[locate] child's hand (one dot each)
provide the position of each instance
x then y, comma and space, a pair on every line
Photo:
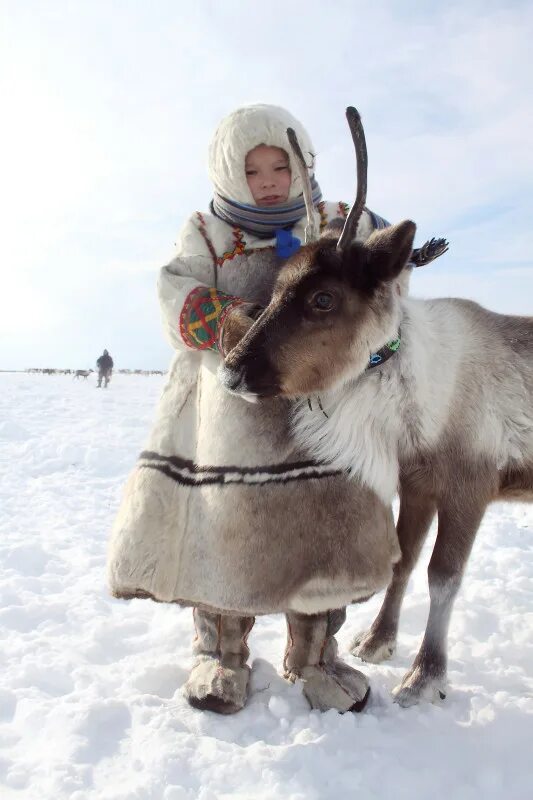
236, 325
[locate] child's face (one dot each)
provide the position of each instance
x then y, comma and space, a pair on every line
268, 174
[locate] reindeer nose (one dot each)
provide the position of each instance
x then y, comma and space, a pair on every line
231, 377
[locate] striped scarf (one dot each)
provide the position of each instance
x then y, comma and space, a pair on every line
263, 222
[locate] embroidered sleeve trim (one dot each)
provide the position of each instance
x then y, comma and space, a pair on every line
343, 210
203, 230
321, 208
238, 248
202, 316
239, 245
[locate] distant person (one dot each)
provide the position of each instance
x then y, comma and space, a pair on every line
105, 368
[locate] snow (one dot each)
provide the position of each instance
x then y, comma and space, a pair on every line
90, 687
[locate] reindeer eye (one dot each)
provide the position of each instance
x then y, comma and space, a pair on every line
323, 301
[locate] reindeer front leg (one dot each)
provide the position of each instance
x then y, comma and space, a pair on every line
458, 523
416, 514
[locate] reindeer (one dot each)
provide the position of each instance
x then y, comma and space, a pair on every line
430, 398
82, 373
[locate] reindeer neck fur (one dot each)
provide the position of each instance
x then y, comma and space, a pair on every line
380, 417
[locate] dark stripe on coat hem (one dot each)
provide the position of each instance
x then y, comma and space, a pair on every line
247, 479
270, 469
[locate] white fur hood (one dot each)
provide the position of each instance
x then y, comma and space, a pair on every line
240, 132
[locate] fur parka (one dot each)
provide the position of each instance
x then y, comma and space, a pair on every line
222, 510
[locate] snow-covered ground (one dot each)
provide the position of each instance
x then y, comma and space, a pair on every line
90, 687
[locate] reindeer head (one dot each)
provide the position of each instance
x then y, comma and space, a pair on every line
334, 303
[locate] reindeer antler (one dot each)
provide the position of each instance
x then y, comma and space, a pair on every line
358, 136
310, 228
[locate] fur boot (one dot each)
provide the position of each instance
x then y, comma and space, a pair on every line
220, 675
311, 655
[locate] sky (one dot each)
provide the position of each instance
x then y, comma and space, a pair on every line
108, 109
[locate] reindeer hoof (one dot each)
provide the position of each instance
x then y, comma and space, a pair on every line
417, 687
371, 648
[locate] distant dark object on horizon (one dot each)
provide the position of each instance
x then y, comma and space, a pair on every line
54, 371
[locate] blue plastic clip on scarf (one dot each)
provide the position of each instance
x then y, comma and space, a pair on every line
286, 243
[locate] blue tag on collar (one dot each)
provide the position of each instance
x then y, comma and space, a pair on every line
286, 243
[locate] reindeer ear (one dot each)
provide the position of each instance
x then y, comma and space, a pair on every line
383, 256
388, 250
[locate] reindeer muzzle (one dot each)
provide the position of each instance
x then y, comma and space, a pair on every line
232, 378
242, 381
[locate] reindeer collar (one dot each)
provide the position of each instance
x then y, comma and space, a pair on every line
384, 353
375, 360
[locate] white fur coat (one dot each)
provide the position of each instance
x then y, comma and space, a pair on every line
222, 509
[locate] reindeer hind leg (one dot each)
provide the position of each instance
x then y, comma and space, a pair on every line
416, 514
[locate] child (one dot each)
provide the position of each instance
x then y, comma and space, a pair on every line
222, 512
